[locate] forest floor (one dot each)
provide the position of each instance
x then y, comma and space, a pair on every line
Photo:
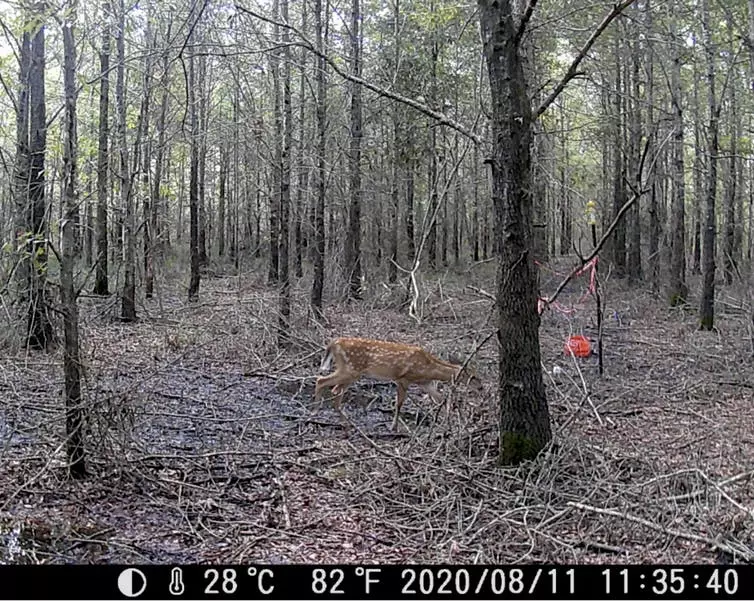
205, 446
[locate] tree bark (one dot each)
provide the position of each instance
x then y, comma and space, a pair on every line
301, 237
221, 200
285, 189
128, 293
619, 172
319, 209
193, 289
353, 241
74, 419
730, 253
707, 305
203, 90
677, 291
39, 329
633, 263
273, 270
653, 259
101, 283
524, 415
698, 171
158, 203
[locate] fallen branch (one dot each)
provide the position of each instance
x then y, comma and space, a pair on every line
744, 553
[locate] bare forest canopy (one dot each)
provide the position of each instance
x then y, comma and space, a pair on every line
197, 197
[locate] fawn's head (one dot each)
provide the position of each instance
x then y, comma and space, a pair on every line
468, 376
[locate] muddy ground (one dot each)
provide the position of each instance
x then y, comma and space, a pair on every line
205, 446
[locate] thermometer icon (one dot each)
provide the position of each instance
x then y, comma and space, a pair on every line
176, 582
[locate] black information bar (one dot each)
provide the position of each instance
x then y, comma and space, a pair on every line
377, 582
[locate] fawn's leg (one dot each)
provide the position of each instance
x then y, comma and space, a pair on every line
398, 403
339, 391
339, 383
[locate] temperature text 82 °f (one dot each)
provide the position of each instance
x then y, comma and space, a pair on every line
330, 581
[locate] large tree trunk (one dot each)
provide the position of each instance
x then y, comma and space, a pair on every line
39, 332
21, 169
74, 412
524, 415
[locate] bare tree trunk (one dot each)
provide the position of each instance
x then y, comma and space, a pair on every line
432, 183
237, 174
566, 223
221, 200
158, 205
619, 172
193, 289
273, 272
397, 153
300, 236
653, 260
319, 209
285, 189
353, 242
146, 158
21, 175
524, 415
203, 125
457, 231
74, 413
707, 305
392, 268
677, 290
101, 282
475, 233
39, 330
410, 210
128, 292
750, 245
633, 265
698, 170
730, 254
